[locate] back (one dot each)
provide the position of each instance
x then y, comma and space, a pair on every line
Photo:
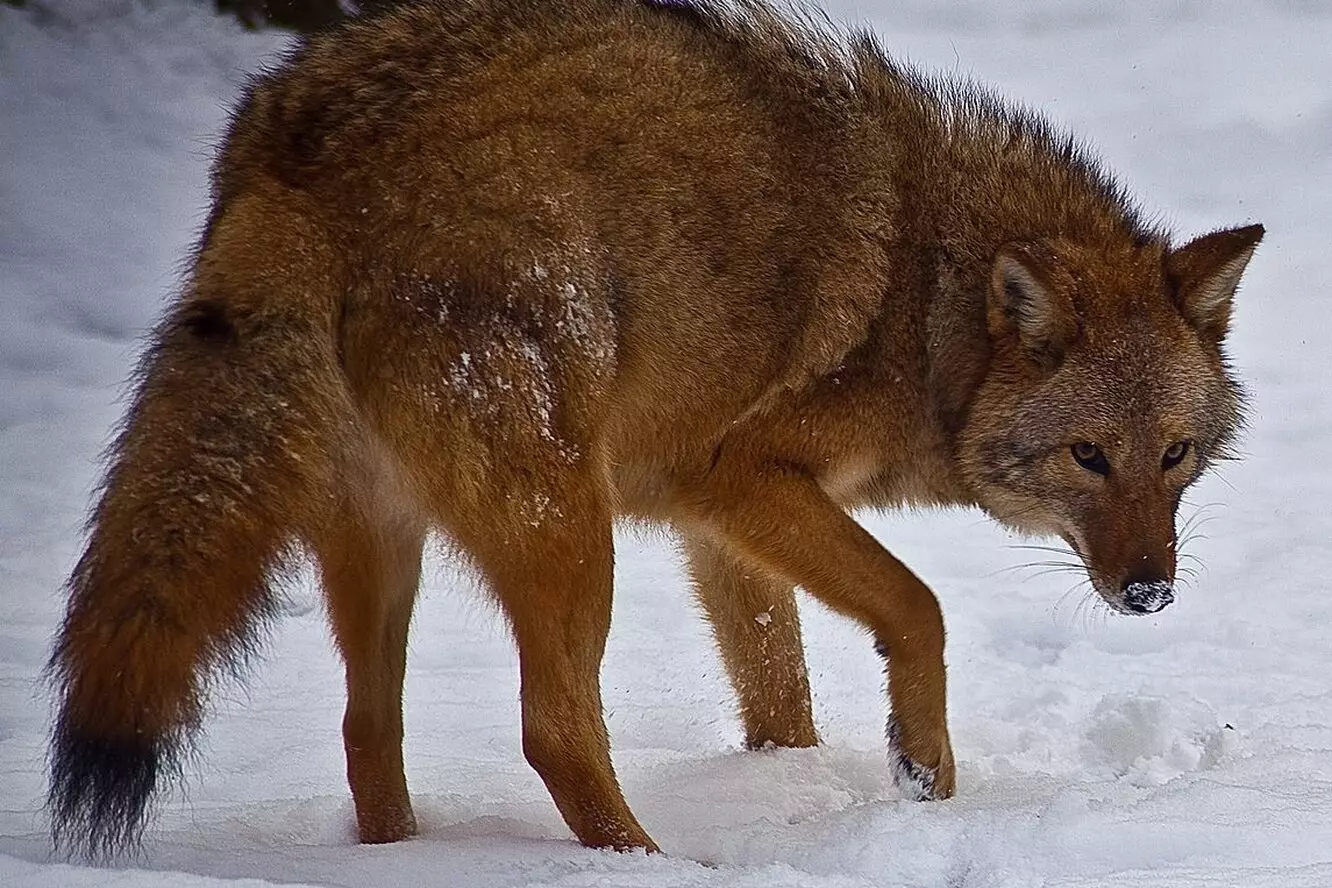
713, 176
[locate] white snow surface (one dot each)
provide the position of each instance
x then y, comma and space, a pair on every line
1189, 749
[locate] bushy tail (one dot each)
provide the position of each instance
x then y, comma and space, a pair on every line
225, 458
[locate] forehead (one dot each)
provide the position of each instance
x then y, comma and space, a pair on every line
1131, 335
1116, 284
1139, 374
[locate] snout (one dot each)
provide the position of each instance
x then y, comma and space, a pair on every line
1129, 553
1148, 597
1146, 587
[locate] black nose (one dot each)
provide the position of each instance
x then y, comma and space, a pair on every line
1147, 597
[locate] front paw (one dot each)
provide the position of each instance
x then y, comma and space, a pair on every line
921, 776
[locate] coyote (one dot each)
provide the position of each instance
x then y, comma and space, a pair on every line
510, 272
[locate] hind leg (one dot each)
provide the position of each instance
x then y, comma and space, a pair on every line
553, 576
371, 570
757, 628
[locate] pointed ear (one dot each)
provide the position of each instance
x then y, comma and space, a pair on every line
1025, 302
1204, 273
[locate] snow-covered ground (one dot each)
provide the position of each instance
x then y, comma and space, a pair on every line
1192, 748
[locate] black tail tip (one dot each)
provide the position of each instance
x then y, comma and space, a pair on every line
100, 791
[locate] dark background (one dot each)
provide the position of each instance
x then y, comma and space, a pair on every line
297, 15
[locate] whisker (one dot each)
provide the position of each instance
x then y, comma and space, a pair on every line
1032, 565
1067, 592
1065, 569
1058, 550
1195, 525
1080, 613
1190, 537
1103, 611
1186, 536
1199, 516
1196, 522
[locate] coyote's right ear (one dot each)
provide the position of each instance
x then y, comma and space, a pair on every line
1204, 274
1025, 303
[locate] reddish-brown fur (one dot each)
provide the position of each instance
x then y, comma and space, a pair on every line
510, 272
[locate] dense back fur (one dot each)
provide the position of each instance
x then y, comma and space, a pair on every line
475, 266
879, 167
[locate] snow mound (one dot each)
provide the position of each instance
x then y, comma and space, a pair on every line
1149, 741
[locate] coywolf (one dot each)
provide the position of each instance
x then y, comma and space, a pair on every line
509, 272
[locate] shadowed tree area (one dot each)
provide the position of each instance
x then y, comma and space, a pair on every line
298, 15
304, 16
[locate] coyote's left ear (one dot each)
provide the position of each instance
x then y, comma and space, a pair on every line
1027, 302
1204, 273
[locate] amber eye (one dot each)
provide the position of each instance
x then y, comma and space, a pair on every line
1174, 455
1090, 457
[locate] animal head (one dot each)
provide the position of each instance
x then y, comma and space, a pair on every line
1107, 395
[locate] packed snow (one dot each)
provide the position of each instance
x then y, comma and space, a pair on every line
1190, 749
